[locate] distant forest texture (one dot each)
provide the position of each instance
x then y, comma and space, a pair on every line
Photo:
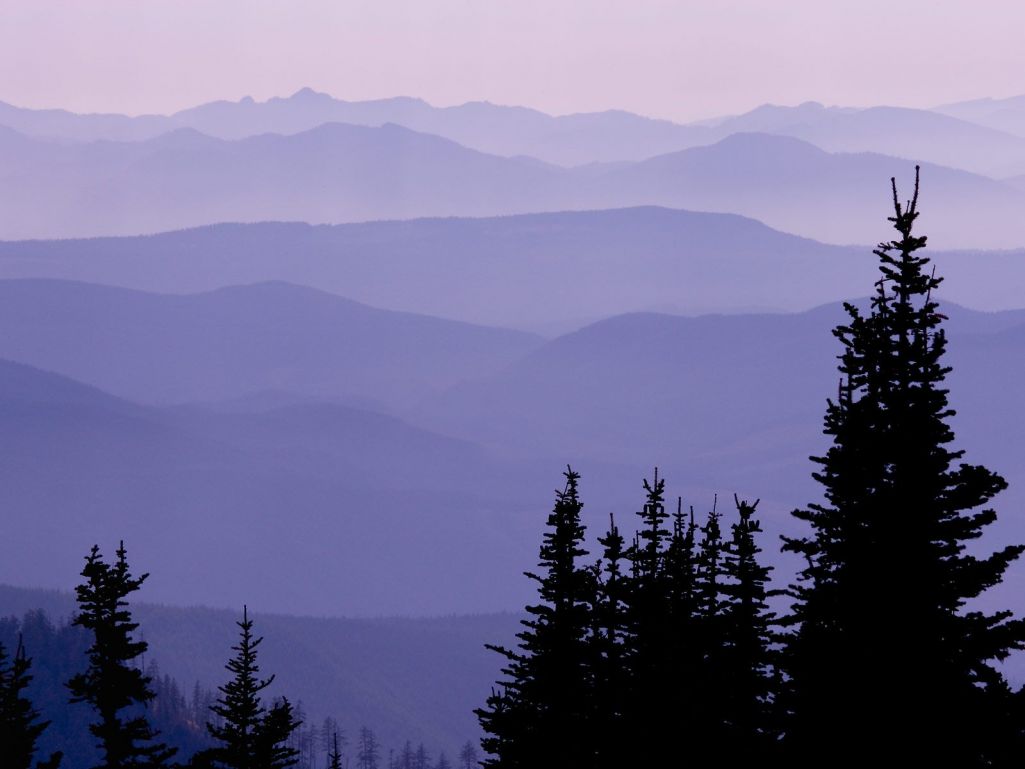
672, 647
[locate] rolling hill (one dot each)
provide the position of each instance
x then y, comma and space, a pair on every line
239, 342
312, 508
545, 272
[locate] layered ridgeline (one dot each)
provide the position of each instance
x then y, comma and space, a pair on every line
310, 464
544, 272
344, 173
986, 136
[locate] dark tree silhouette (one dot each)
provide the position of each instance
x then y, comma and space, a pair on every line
541, 716
888, 655
649, 651
704, 695
334, 757
248, 735
271, 744
608, 641
749, 678
115, 688
20, 726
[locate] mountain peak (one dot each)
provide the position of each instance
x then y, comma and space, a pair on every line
308, 94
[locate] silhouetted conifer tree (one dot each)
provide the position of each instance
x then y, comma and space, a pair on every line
541, 716
115, 688
248, 735
748, 676
608, 641
681, 581
704, 694
331, 733
20, 726
272, 747
889, 657
650, 645
334, 756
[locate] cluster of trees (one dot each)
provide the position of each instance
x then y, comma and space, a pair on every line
666, 652
140, 719
664, 641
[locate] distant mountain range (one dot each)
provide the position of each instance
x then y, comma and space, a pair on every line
812, 170
545, 272
1006, 115
344, 173
964, 135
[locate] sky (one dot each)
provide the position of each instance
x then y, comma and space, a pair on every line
682, 60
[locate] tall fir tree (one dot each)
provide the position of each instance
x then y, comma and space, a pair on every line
273, 749
649, 652
889, 655
705, 692
334, 756
683, 667
113, 682
749, 676
608, 643
20, 727
540, 718
246, 733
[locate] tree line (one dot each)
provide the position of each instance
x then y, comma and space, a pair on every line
140, 719
666, 650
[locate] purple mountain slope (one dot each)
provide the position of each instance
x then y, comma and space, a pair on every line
546, 272
1000, 114
793, 186
359, 512
913, 134
242, 341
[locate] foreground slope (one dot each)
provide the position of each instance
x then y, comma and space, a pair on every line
408, 679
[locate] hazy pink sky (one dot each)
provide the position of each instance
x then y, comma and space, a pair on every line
684, 60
